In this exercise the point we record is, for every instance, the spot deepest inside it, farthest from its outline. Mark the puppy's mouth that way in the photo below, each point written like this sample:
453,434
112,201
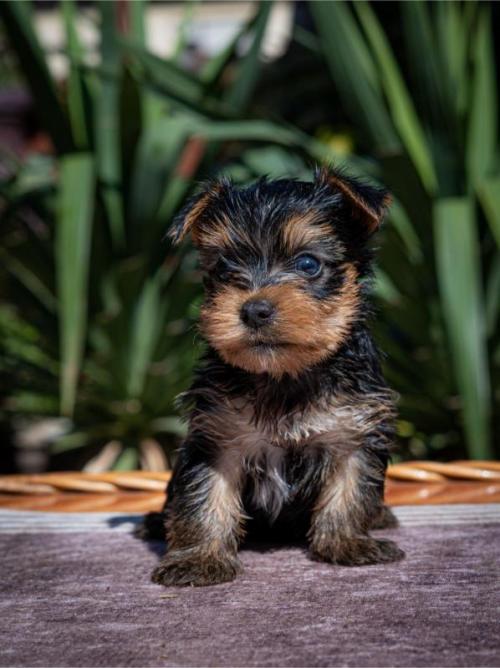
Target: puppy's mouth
264,346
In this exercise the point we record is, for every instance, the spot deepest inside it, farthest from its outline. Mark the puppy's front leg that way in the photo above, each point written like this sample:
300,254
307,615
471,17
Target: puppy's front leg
351,497
203,523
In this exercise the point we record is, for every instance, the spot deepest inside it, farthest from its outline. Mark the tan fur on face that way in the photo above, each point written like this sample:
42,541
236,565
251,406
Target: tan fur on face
219,232
303,229
308,329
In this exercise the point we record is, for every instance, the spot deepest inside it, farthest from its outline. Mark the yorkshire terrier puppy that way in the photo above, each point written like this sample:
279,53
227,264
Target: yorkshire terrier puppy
290,419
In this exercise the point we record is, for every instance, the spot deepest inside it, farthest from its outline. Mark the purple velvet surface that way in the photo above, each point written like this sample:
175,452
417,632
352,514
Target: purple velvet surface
83,599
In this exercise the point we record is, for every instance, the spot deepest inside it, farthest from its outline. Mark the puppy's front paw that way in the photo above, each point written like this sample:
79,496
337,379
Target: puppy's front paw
357,551
385,519
196,571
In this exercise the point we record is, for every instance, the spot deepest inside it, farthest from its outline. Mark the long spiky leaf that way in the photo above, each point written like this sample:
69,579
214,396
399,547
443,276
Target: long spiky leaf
73,237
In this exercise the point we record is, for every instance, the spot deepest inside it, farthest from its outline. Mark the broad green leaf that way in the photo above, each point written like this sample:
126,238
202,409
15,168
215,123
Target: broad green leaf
107,139
459,275
144,332
275,162
157,153
353,73
24,42
137,23
482,135
489,196
239,93
175,83
76,103
73,238
31,402
171,425
128,460
493,297
402,110
420,36
402,223
453,41
72,441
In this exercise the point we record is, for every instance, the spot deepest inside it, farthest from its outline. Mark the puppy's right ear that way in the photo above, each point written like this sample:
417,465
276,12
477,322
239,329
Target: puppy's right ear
192,217
364,204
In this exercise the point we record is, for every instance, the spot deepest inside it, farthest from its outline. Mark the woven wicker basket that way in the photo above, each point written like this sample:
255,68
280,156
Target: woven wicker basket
410,483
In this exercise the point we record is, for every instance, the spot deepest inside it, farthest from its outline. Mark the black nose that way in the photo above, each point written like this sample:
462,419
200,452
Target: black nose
257,312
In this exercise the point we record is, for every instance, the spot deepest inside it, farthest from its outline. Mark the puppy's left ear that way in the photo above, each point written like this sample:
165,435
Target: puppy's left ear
366,204
193,217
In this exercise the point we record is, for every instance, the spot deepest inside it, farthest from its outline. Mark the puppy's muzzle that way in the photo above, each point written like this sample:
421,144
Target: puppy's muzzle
257,313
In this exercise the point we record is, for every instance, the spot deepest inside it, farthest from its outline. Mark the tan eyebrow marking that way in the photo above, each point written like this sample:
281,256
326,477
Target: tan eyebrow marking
302,229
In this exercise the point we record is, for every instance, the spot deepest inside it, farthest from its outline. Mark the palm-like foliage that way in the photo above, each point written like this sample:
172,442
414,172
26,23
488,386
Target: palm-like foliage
432,121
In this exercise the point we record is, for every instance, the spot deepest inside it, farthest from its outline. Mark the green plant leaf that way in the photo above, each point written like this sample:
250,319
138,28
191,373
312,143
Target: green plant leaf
402,110
157,153
137,23
128,459
239,93
167,77
170,425
421,37
107,139
73,238
489,196
183,29
482,135
385,288
493,297
459,276
402,223
213,69
76,102
30,279
145,329
24,42
353,73
453,41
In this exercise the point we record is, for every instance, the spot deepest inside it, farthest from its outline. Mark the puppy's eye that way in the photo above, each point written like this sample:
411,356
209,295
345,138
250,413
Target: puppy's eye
224,270
308,265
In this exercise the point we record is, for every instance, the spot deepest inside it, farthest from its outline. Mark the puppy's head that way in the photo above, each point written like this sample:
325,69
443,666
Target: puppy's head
282,262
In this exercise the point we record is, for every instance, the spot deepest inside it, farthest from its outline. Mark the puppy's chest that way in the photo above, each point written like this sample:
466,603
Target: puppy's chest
333,425
284,459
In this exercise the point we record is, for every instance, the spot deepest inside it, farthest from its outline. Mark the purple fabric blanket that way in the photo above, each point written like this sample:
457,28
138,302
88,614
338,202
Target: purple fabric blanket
75,591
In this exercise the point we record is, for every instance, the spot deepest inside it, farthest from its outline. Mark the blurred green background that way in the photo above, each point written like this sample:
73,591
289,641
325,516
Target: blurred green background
105,131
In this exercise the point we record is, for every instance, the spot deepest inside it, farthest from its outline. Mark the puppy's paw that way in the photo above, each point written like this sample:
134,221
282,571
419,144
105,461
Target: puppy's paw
195,571
152,527
357,551
385,519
